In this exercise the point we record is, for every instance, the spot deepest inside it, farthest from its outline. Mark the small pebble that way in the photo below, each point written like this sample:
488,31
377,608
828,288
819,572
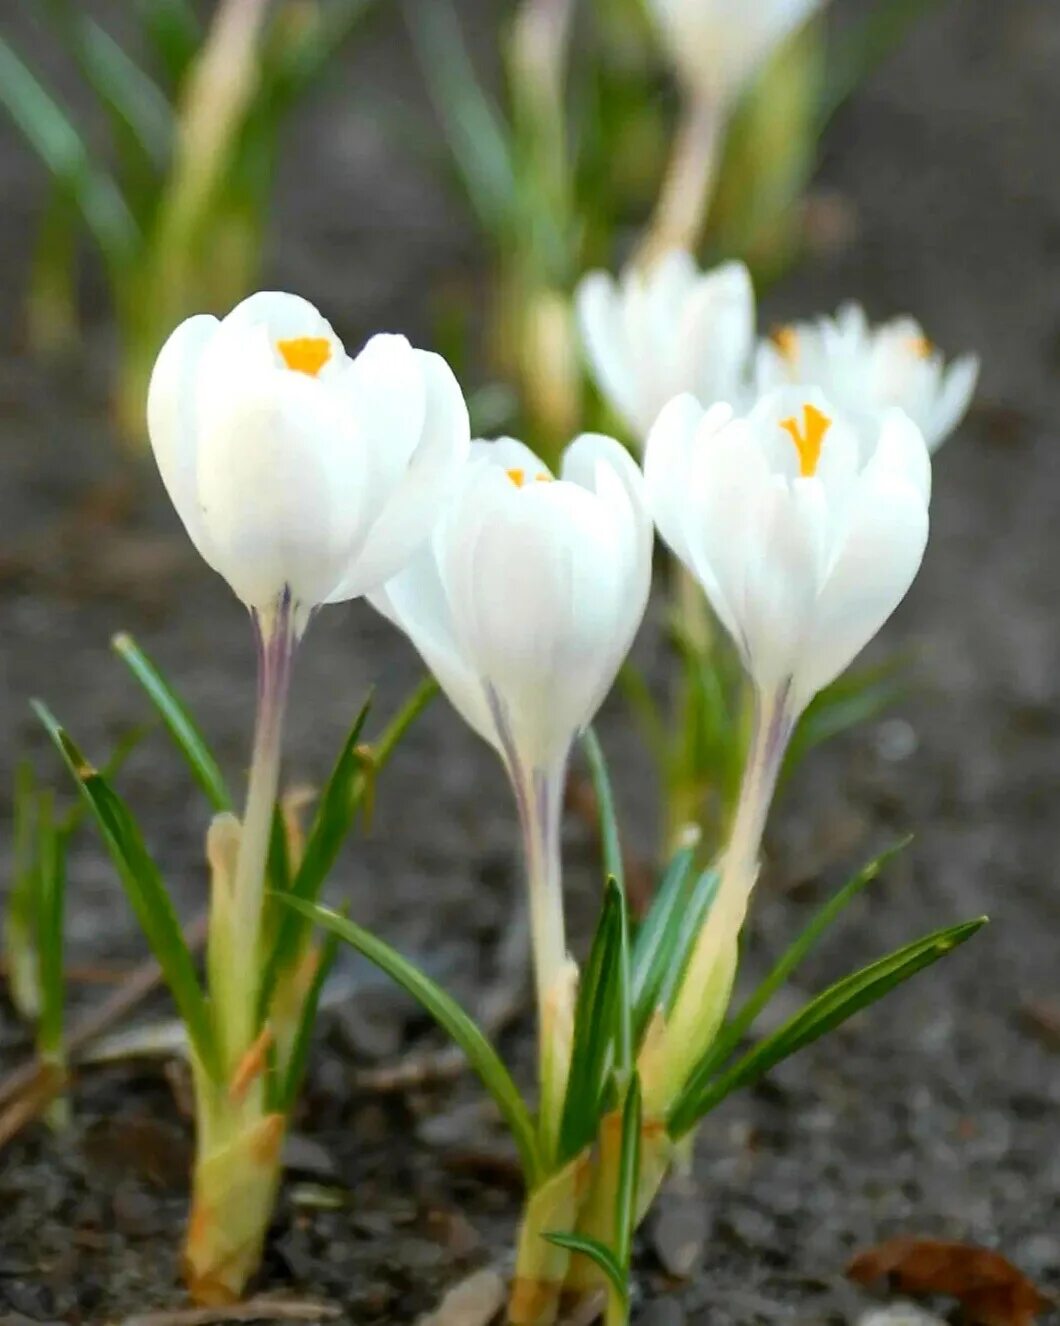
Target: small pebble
899,1314
473,1302
679,1233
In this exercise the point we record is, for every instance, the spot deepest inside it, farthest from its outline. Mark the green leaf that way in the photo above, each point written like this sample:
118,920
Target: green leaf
628,1175
294,1070
298,51
734,1031
51,845
145,890
173,31
21,924
605,804
828,1010
179,722
700,901
479,140
449,1016
597,1252
50,133
596,1021
852,700
657,936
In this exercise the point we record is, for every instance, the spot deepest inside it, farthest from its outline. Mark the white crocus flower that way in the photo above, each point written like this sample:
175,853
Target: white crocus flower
865,370
717,46
301,474
804,548
654,334
524,604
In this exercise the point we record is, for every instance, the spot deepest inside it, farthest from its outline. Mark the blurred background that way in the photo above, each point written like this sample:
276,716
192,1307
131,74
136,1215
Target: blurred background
364,186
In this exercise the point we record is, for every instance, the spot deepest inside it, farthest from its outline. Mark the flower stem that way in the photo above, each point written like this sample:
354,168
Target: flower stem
539,796
700,1001
276,637
684,199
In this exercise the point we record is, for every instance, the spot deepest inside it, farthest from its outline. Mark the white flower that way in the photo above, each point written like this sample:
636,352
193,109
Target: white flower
866,370
717,46
803,548
674,329
529,593
302,474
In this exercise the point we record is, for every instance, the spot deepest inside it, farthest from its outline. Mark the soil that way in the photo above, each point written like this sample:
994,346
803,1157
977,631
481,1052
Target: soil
936,1114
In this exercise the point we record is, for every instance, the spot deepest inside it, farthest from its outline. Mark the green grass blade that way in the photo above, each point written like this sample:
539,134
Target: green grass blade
700,900
737,1028
298,52
628,1175
595,1030
173,32
821,1014
656,937
21,940
179,722
597,1252
51,851
449,1016
852,700
146,892
294,1069
479,140
605,804
49,131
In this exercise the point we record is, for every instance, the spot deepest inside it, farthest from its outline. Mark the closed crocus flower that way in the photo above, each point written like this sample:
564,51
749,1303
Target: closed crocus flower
654,334
865,370
301,474
804,546
717,46
524,604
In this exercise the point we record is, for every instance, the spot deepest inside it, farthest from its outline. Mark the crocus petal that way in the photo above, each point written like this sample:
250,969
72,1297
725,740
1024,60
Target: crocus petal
602,332
958,388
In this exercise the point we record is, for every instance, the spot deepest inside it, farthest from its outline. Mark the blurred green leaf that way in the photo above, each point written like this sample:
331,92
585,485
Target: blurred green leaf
178,721
146,892
51,855
826,1011
605,807
449,1016
21,920
303,39
50,133
174,33
861,45
852,700
478,138
656,936
596,1030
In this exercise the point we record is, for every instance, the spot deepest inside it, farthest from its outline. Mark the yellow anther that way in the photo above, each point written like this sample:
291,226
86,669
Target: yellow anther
786,339
921,346
305,354
809,438
518,477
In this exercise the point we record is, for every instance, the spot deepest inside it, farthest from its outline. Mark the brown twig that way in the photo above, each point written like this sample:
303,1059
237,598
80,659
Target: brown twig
253,1309
499,1005
33,1084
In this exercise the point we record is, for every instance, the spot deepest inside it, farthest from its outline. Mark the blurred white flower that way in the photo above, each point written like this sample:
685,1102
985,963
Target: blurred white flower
717,46
302,476
652,335
803,546
865,370
527,597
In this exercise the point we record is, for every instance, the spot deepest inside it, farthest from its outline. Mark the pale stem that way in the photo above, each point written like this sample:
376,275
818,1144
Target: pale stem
772,728
539,797
276,638
684,200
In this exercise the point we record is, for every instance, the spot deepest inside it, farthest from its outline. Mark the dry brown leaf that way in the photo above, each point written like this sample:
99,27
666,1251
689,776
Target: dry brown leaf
991,1291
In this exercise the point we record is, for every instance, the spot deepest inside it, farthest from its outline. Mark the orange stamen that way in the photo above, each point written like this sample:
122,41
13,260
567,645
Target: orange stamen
518,477
786,339
921,346
809,438
305,354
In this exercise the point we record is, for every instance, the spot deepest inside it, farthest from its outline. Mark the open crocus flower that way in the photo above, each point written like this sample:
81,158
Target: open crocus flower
524,604
302,475
654,334
804,548
717,46
865,370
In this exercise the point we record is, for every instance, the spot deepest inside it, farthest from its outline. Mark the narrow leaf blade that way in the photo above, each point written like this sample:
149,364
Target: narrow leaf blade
597,1252
449,1016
